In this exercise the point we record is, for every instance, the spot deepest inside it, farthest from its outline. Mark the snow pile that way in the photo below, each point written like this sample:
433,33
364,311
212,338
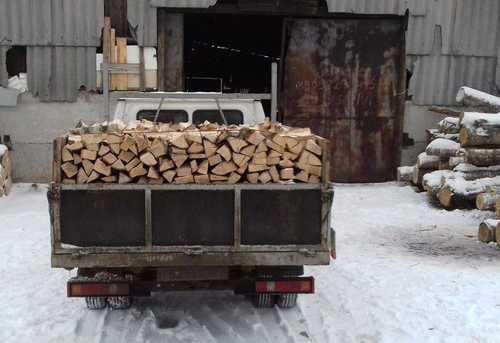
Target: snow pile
449,124
491,222
19,83
464,187
443,148
472,120
435,179
465,92
425,161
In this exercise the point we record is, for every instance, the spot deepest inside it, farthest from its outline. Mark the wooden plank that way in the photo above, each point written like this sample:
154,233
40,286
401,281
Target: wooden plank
112,56
56,165
170,51
142,70
120,81
106,40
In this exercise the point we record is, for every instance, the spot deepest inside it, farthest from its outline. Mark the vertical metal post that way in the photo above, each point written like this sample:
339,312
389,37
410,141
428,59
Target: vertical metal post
105,89
148,228
237,217
274,91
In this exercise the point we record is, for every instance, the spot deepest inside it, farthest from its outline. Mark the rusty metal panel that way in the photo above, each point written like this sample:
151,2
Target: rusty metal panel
345,79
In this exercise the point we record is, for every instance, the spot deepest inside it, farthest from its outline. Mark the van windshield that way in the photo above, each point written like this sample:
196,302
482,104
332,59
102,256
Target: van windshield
213,116
165,116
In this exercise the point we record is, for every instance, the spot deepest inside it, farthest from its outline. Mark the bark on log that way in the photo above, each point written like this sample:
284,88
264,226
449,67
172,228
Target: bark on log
482,157
455,161
474,98
487,201
458,192
487,230
426,161
497,234
483,135
418,175
470,172
433,182
443,148
405,174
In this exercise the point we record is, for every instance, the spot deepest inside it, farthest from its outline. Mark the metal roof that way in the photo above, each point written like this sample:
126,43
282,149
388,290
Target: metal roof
51,22
142,17
57,73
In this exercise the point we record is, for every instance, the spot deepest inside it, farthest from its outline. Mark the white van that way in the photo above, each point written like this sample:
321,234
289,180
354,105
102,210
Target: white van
191,109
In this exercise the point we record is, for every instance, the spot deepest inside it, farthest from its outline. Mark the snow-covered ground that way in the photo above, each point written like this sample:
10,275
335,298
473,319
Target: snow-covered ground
406,272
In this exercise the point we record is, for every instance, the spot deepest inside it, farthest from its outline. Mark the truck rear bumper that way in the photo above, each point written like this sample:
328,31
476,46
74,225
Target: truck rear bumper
91,288
130,259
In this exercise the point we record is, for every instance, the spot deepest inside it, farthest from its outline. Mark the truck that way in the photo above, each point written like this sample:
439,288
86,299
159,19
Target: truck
133,240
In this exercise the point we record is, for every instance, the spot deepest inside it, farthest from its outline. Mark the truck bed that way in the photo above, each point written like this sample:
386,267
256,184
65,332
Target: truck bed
111,225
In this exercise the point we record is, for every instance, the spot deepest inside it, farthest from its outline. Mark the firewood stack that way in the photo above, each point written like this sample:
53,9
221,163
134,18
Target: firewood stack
185,154
442,153
462,159
5,171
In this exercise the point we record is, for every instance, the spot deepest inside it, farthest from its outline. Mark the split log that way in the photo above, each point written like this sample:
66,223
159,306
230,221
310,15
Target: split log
181,153
487,230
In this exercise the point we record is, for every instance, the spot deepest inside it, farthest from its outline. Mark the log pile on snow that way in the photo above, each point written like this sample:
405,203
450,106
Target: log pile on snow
461,165
187,154
5,171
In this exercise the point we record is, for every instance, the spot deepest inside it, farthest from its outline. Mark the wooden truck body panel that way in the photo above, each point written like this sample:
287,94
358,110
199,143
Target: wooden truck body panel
101,225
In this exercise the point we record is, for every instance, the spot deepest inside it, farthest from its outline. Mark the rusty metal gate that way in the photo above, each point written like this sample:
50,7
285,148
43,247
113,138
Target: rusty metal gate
345,78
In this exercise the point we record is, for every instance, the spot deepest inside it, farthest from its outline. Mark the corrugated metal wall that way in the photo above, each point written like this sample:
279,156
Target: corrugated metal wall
142,18
61,36
57,73
3,67
442,34
51,22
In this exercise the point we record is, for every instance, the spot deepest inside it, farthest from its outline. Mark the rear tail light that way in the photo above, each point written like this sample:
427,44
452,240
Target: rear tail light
97,289
302,285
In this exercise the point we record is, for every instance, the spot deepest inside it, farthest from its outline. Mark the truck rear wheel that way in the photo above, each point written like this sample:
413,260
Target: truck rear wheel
95,303
287,300
264,300
119,303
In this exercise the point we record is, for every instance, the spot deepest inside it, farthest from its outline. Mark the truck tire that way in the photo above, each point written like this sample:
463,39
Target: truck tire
287,300
120,303
264,300
95,303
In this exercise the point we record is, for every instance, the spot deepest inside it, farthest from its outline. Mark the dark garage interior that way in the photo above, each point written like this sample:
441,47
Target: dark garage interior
232,53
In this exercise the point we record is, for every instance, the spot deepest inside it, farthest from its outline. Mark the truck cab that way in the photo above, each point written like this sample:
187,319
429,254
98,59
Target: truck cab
196,108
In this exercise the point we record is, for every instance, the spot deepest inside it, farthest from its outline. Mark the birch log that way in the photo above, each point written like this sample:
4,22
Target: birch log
487,230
